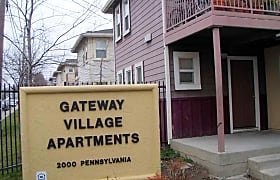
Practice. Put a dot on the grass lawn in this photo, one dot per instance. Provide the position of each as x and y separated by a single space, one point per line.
10 144
11 176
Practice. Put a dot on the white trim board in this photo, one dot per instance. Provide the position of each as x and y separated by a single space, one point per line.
256 88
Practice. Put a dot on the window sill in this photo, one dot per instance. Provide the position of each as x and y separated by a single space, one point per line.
188 87
118 39
126 33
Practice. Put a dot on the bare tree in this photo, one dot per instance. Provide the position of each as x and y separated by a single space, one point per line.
31 45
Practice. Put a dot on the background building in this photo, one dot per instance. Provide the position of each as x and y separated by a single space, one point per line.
95 56
66 72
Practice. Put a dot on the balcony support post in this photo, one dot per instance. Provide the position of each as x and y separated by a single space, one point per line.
219 88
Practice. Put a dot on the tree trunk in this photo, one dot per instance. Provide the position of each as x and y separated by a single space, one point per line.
29 44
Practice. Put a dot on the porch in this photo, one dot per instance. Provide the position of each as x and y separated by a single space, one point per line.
186 17
238 148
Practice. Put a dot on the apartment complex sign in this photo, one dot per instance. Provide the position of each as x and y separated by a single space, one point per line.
90 132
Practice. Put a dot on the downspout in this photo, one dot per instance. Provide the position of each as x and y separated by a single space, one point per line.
167 75
114 50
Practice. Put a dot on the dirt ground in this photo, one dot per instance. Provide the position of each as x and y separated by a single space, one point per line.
180 169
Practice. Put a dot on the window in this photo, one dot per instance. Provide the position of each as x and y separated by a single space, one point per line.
125 17
101 49
128 75
120 77
117 20
139 73
186 70
71 70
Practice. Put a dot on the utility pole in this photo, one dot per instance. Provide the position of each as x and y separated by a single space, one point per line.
2 22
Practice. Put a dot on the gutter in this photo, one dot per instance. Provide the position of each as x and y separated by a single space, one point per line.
107 9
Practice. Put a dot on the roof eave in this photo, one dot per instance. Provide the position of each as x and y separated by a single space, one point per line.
108 7
74 49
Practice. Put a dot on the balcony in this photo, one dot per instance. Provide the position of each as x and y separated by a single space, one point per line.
185 17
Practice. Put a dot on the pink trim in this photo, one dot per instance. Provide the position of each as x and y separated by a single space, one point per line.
219 89
189 28
247 21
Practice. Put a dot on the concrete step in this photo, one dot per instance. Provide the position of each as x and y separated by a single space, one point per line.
267 167
264 162
270 174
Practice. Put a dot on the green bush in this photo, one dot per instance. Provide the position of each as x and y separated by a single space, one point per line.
168 153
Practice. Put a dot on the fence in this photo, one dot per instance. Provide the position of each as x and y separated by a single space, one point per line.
10 151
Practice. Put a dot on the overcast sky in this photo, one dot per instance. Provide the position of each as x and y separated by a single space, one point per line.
63 13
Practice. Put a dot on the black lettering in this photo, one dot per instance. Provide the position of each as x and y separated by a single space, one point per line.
89 126
117 139
68 123
91 106
60 142
79 142
98 140
118 121
81 124
108 140
106 160
99 123
75 124
64 106
126 138
82 163
58 165
51 144
113 105
122 159
120 103
135 138
88 138
75 107
83 104
69 143
109 122
103 104
128 159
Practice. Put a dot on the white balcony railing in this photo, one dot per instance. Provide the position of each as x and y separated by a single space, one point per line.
181 11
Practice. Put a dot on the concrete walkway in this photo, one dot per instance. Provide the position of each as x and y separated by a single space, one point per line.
238 142
238 148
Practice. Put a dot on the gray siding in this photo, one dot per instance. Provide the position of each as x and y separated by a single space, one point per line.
146 17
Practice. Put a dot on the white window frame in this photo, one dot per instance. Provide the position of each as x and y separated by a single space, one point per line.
196 85
125 75
125 31
103 49
117 20
120 72
140 64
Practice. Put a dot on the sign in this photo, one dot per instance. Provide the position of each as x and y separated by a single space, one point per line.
90 132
